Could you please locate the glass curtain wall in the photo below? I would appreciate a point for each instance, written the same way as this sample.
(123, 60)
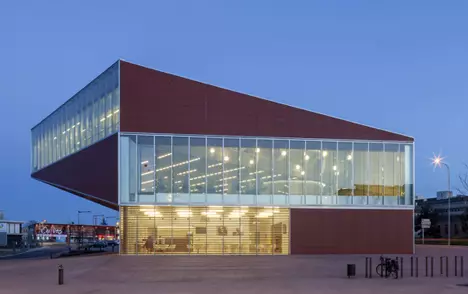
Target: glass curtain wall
(89, 116)
(256, 171)
(204, 230)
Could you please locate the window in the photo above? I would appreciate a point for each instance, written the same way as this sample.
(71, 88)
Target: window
(329, 172)
(280, 177)
(146, 164)
(376, 160)
(180, 168)
(297, 169)
(313, 171)
(344, 173)
(231, 170)
(163, 163)
(264, 171)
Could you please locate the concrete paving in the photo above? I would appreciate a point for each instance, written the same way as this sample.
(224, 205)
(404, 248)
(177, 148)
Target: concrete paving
(224, 274)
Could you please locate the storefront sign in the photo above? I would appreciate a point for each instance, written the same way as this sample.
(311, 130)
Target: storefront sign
(3, 227)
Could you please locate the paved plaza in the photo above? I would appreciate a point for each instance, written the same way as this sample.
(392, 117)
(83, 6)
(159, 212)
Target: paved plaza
(224, 274)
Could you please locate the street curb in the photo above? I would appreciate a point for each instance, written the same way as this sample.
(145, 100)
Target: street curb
(27, 251)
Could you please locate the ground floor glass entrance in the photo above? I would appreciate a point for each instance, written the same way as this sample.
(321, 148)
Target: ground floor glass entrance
(210, 230)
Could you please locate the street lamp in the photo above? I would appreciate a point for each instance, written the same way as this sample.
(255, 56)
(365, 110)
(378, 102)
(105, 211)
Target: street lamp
(80, 228)
(80, 212)
(95, 218)
(438, 162)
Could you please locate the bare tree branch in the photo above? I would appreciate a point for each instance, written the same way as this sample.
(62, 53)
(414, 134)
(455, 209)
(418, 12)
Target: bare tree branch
(463, 178)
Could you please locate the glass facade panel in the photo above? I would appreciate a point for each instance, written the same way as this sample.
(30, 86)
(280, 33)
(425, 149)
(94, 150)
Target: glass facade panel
(280, 172)
(248, 174)
(163, 175)
(231, 170)
(391, 174)
(376, 170)
(361, 174)
(180, 169)
(344, 173)
(313, 172)
(264, 171)
(244, 171)
(407, 190)
(201, 230)
(329, 172)
(297, 172)
(90, 115)
(214, 176)
(146, 168)
(198, 164)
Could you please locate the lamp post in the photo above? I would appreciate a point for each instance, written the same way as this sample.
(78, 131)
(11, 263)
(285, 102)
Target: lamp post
(438, 161)
(81, 230)
(95, 218)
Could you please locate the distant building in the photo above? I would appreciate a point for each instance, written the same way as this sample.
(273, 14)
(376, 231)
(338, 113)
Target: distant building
(444, 194)
(48, 232)
(10, 233)
(458, 208)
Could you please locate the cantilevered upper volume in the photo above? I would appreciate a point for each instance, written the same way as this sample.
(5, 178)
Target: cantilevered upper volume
(76, 147)
(157, 102)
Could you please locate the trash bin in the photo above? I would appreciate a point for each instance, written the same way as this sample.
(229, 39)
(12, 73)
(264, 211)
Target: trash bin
(351, 270)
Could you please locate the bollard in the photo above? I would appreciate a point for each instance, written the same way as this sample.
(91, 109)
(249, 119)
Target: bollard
(351, 270)
(411, 260)
(461, 266)
(417, 266)
(456, 265)
(441, 266)
(401, 267)
(381, 269)
(60, 274)
(446, 266)
(369, 267)
(427, 266)
(432, 266)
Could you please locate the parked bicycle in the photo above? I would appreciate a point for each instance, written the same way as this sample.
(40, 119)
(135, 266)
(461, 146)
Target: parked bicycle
(388, 267)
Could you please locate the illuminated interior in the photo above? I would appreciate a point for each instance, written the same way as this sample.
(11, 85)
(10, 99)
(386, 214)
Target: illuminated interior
(260, 171)
(89, 116)
(217, 230)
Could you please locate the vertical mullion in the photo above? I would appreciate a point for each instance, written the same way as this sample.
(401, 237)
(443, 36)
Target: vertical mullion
(368, 173)
(321, 172)
(239, 176)
(272, 171)
(272, 196)
(289, 175)
(256, 170)
(137, 169)
(222, 188)
(337, 176)
(154, 170)
(206, 173)
(352, 173)
(171, 192)
(188, 175)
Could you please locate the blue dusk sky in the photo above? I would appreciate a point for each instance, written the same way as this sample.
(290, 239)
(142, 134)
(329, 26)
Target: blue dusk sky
(396, 65)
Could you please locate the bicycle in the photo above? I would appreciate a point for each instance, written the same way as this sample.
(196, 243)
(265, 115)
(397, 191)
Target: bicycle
(387, 267)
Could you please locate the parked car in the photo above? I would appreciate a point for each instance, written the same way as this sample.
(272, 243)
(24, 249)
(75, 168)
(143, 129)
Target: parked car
(98, 244)
(112, 243)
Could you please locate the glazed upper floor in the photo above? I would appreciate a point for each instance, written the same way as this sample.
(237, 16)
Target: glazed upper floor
(132, 98)
(213, 170)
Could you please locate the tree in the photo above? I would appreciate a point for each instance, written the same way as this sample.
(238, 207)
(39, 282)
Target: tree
(463, 178)
(103, 222)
